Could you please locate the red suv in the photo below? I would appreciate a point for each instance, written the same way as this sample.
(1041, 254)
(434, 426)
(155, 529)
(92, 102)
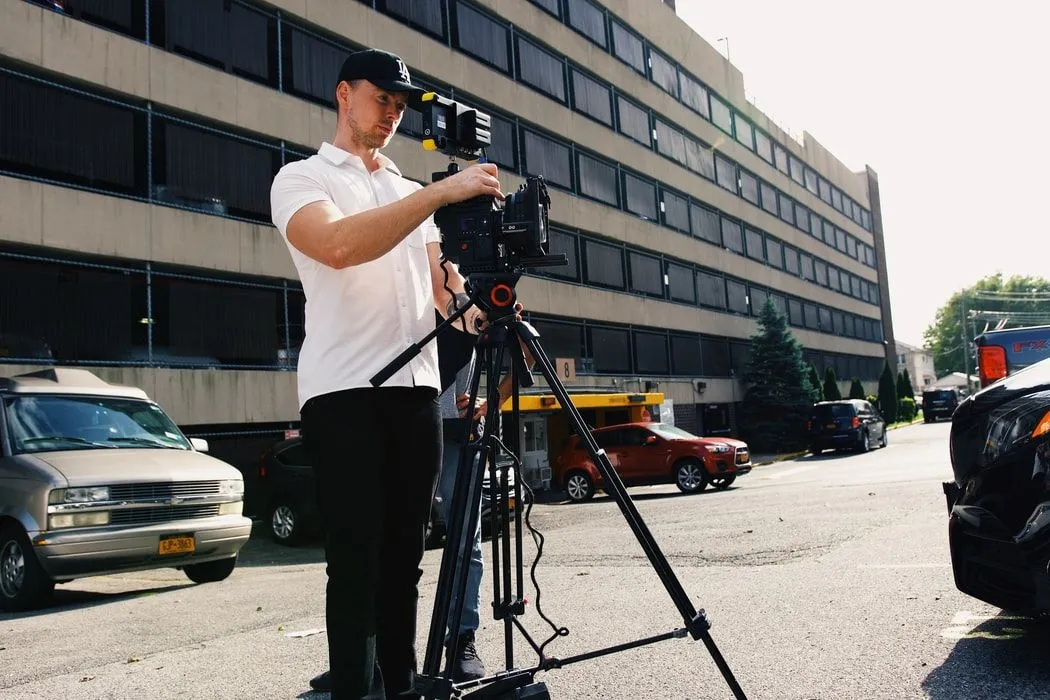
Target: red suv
(653, 453)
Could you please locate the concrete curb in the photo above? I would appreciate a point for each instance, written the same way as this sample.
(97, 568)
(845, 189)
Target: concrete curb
(781, 458)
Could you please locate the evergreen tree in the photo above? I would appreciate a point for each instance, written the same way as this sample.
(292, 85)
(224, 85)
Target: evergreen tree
(856, 390)
(814, 381)
(831, 385)
(903, 386)
(888, 395)
(909, 383)
(779, 397)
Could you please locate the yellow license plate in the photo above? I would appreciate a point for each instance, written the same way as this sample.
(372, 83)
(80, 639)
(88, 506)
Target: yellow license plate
(830, 426)
(176, 545)
(510, 504)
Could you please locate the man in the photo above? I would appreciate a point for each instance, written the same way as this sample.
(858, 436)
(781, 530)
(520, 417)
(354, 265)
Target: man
(456, 360)
(368, 255)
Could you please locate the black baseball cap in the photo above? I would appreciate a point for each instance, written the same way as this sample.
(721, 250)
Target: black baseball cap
(381, 68)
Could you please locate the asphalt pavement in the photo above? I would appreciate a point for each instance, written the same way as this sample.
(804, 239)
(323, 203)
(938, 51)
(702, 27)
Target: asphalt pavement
(822, 577)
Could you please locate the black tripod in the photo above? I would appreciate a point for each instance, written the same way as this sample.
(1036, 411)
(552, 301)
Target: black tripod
(495, 294)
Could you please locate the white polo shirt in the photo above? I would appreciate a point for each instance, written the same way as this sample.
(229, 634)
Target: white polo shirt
(360, 318)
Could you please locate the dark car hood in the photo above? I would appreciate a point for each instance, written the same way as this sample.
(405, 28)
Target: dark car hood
(998, 421)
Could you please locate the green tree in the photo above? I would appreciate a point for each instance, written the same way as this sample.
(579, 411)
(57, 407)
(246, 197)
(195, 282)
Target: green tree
(909, 383)
(779, 396)
(831, 385)
(856, 390)
(814, 381)
(903, 386)
(1021, 300)
(888, 395)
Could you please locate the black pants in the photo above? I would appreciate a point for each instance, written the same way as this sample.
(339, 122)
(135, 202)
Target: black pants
(376, 454)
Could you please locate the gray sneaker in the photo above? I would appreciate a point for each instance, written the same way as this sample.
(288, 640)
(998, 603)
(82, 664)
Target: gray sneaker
(467, 665)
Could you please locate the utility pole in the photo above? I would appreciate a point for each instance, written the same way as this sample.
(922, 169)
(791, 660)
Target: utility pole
(965, 342)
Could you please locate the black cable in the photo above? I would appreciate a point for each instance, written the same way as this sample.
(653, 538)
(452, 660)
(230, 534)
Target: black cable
(538, 539)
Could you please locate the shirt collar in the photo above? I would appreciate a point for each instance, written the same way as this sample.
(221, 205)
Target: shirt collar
(337, 156)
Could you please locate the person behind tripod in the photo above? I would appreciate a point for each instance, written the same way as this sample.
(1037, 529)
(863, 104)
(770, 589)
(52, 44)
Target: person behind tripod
(362, 239)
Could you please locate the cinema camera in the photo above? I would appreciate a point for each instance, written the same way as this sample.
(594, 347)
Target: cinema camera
(483, 235)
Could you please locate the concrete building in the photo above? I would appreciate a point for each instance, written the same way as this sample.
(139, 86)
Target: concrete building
(919, 363)
(138, 139)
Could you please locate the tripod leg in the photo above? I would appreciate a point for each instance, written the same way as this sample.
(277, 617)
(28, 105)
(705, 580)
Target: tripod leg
(696, 622)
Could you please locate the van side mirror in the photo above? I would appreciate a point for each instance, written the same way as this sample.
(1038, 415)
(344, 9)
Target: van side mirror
(651, 440)
(199, 444)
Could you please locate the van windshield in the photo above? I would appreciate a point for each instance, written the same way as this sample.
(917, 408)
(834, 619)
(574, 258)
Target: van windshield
(46, 423)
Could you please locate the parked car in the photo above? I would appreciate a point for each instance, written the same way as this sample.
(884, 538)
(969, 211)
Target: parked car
(938, 403)
(96, 479)
(847, 424)
(999, 501)
(653, 453)
(288, 496)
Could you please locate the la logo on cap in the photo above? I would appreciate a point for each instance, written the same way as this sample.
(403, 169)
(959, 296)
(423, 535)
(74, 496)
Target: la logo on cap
(403, 70)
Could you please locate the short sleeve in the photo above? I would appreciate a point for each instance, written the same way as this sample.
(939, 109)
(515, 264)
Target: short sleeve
(292, 190)
(431, 233)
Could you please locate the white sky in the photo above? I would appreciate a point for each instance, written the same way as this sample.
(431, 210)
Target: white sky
(945, 100)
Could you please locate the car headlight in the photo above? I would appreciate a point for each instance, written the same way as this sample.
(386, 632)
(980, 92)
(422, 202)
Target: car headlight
(232, 488)
(719, 449)
(83, 494)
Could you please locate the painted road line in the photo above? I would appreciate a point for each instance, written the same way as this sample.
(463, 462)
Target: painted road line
(964, 626)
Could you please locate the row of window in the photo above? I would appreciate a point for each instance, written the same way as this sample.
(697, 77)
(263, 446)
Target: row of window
(608, 31)
(146, 153)
(602, 348)
(260, 45)
(77, 311)
(601, 263)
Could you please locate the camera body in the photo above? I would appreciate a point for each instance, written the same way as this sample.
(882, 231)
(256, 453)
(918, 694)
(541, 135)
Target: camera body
(482, 235)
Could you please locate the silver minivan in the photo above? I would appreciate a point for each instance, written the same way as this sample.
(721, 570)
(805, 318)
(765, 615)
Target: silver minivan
(95, 478)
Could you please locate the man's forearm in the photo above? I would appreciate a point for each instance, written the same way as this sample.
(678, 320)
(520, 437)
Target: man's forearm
(371, 234)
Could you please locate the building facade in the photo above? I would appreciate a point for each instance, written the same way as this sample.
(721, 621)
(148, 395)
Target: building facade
(919, 363)
(138, 140)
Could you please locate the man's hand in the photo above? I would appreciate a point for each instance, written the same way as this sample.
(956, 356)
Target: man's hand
(475, 181)
(463, 403)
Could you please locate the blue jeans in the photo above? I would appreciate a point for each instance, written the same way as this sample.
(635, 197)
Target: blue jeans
(471, 617)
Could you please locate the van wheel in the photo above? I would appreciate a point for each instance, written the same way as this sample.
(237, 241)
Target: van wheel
(24, 585)
(211, 571)
(579, 486)
(865, 442)
(690, 476)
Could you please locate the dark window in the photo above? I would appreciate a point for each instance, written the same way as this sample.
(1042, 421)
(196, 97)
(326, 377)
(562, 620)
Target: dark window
(795, 312)
(828, 232)
(754, 244)
(763, 146)
(791, 259)
(732, 236)
(561, 339)
(670, 142)
(47, 132)
(840, 239)
(694, 95)
(811, 318)
(780, 158)
(838, 322)
(737, 294)
(721, 115)
(833, 278)
(748, 187)
(739, 356)
(699, 158)
(646, 274)
(851, 246)
(428, 15)
(775, 253)
(611, 350)
(795, 168)
(758, 300)
(825, 319)
(705, 224)
(124, 16)
(787, 209)
(681, 283)
(715, 354)
(212, 172)
(64, 312)
(802, 217)
(811, 181)
(628, 47)
(712, 289)
(311, 65)
(562, 243)
(685, 355)
(865, 219)
(650, 352)
(634, 121)
(769, 198)
(503, 150)
(836, 198)
(676, 210)
(641, 196)
(779, 303)
(854, 283)
(664, 72)
(807, 266)
(541, 69)
(603, 264)
(481, 36)
(548, 158)
(825, 189)
(548, 5)
(598, 180)
(726, 173)
(822, 272)
(226, 35)
(588, 19)
(744, 132)
(591, 97)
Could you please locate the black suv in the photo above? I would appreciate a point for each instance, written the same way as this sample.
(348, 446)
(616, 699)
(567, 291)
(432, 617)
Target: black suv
(847, 424)
(939, 403)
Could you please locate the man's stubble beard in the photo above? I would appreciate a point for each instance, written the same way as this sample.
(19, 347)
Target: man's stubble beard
(369, 139)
